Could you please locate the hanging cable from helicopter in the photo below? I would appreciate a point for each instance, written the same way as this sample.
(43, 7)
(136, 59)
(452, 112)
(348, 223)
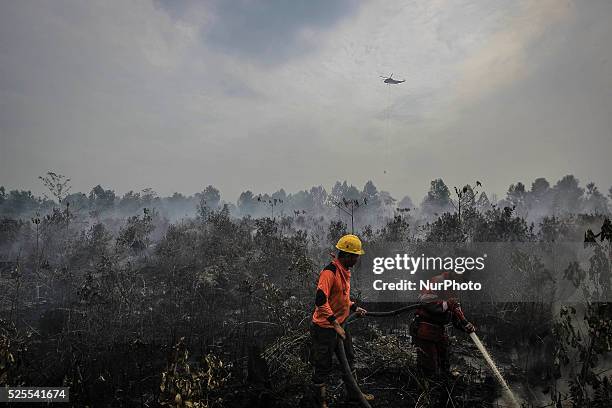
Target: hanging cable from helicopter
(389, 81)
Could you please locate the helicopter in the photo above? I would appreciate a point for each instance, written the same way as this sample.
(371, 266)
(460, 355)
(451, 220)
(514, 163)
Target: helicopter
(391, 81)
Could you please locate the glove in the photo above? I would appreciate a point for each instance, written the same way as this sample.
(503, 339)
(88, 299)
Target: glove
(469, 327)
(360, 312)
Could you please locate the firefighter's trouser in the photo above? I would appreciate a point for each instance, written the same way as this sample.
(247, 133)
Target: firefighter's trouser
(324, 345)
(432, 349)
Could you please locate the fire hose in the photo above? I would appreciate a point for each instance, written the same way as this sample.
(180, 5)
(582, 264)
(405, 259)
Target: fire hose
(352, 382)
(390, 313)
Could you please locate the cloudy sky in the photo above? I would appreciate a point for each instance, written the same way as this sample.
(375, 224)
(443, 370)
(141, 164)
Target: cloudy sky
(267, 94)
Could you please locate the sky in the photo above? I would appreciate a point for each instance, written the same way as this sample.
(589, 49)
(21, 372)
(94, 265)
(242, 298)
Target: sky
(263, 95)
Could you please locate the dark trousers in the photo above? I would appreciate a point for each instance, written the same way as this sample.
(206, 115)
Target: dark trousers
(433, 346)
(432, 356)
(324, 345)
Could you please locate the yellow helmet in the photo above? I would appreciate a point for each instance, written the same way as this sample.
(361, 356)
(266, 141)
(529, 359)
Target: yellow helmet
(350, 243)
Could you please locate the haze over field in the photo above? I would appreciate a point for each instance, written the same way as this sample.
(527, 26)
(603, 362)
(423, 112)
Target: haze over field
(255, 95)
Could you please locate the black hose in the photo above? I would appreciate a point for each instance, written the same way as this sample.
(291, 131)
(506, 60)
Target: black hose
(390, 313)
(352, 382)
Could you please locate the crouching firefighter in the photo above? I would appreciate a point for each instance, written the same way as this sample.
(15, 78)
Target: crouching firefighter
(332, 307)
(429, 328)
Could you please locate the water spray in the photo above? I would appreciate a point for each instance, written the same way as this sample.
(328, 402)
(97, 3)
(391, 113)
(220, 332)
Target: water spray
(495, 370)
(355, 388)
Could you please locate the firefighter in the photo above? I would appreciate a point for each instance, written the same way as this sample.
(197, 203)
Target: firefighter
(332, 307)
(429, 328)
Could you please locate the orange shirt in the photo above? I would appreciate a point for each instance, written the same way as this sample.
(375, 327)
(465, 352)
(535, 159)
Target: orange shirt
(332, 300)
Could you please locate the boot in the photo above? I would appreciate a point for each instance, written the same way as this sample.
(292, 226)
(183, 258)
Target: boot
(319, 394)
(351, 397)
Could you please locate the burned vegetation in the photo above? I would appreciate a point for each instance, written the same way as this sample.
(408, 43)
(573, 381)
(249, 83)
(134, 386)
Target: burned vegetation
(193, 302)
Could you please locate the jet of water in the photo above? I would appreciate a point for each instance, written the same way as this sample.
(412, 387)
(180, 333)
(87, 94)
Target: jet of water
(498, 375)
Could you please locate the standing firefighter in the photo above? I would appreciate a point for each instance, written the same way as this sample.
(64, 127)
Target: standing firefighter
(332, 307)
(439, 310)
